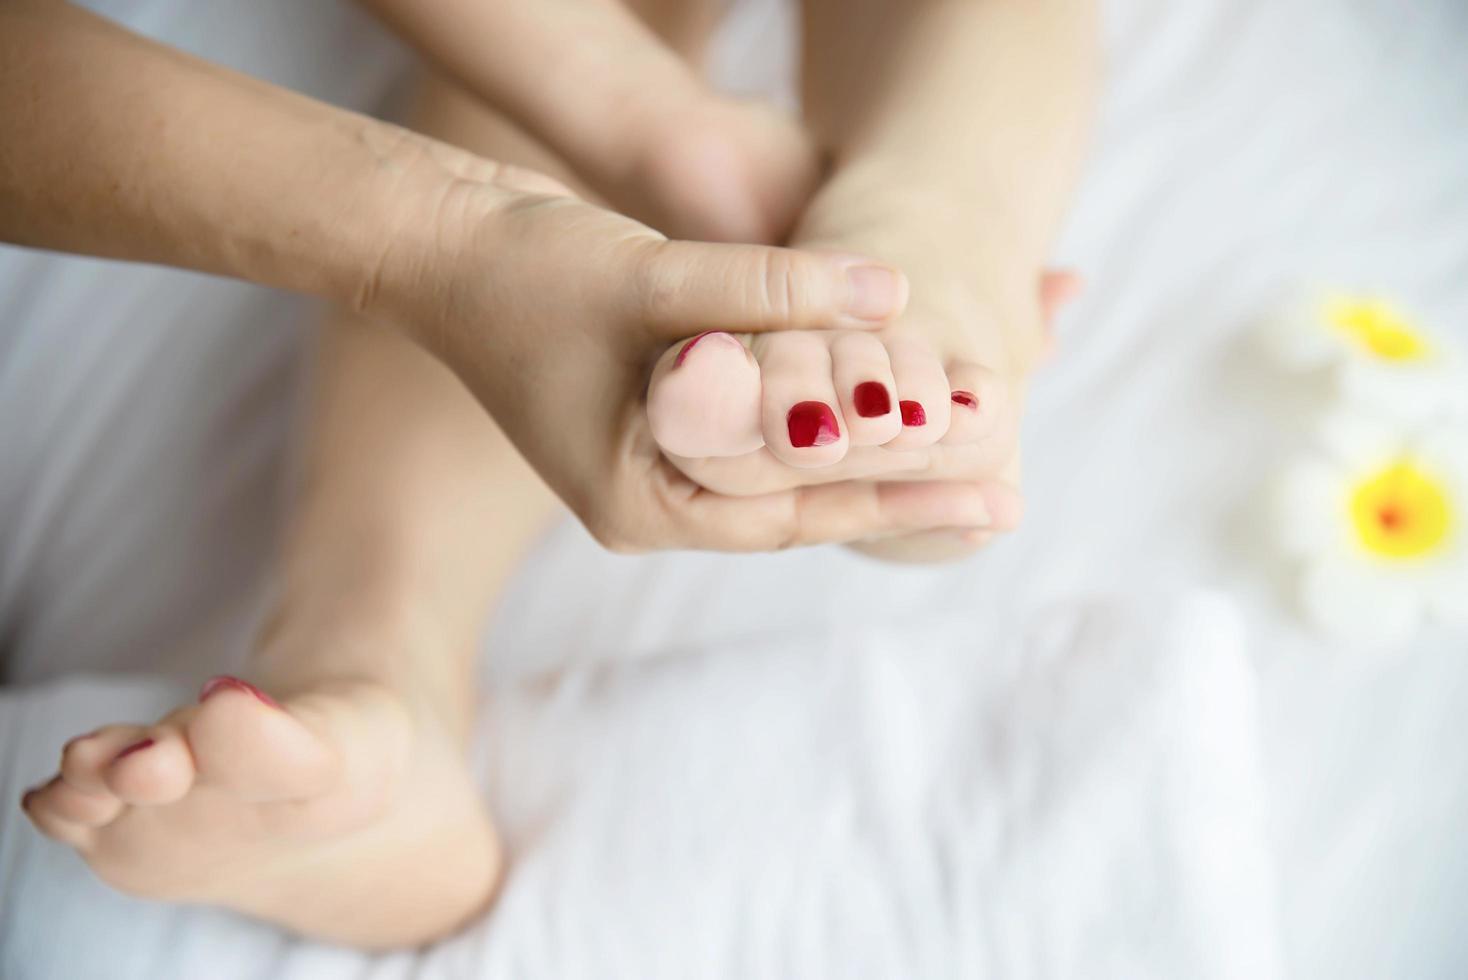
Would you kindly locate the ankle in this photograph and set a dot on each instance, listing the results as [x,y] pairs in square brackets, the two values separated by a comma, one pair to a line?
[394,645]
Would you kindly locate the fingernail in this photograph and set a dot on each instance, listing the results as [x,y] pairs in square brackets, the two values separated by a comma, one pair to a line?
[967,399]
[871,399]
[677,361]
[913,414]
[974,535]
[874,292]
[26,797]
[135,747]
[812,424]
[214,684]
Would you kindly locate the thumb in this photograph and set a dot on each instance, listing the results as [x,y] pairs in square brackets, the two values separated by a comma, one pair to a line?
[687,287]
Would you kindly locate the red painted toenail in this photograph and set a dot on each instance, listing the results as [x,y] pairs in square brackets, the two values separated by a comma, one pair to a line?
[967,399]
[812,424]
[913,414]
[871,399]
[214,684]
[135,747]
[707,333]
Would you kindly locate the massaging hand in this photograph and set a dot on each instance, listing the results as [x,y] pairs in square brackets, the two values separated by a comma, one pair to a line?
[552,312]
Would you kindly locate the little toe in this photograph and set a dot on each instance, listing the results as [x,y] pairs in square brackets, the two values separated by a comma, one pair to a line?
[155,770]
[245,742]
[980,403]
[863,378]
[51,823]
[704,398]
[70,803]
[924,398]
[802,427]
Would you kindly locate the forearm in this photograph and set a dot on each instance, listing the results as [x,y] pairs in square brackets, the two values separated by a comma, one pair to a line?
[582,77]
[976,110]
[119,147]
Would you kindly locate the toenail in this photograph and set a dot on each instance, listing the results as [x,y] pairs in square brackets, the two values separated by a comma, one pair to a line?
[871,399]
[967,399]
[135,747]
[874,292]
[214,684]
[812,424]
[707,333]
[913,414]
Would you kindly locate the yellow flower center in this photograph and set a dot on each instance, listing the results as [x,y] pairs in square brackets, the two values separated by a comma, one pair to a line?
[1377,328]
[1401,512]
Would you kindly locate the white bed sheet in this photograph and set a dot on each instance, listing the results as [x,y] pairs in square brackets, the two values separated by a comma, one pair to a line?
[1245,147]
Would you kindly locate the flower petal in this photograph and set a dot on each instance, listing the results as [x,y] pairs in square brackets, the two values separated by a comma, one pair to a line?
[1310,508]
[1297,337]
[1447,592]
[1359,605]
[1360,439]
[1412,393]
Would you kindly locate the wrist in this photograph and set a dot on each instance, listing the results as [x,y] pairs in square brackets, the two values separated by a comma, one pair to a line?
[394,225]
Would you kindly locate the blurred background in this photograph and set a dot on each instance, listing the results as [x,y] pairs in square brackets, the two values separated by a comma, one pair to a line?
[1108,747]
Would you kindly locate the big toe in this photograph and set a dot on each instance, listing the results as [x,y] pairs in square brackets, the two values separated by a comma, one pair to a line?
[704,399]
[244,742]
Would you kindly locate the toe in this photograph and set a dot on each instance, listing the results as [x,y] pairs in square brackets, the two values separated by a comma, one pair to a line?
[801,412]
[156,769]
[242,741]
[980,403]
[863,379]
[704,399]
[37,806]
[85,759]
[924,398]
[71,804]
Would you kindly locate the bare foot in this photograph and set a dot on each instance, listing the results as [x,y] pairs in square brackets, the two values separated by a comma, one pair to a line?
[937,394]
[335,810]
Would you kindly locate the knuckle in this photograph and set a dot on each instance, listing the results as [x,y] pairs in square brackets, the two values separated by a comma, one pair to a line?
[783,286]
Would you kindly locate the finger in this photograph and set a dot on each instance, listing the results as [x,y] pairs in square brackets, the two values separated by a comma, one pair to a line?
[829,513]
[758,473]
[686,287]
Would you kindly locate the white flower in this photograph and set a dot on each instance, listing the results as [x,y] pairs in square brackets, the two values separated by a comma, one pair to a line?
[1380,522]
[1380,357]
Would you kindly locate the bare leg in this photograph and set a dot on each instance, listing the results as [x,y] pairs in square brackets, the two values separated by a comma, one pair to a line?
[332,797]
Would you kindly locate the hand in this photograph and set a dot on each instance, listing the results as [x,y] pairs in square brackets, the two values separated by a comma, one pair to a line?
[552,312]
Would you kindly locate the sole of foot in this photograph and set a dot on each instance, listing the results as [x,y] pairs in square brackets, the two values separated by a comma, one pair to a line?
[331,812]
